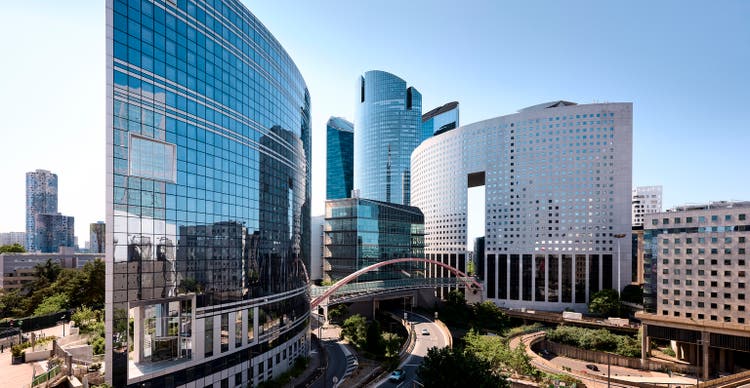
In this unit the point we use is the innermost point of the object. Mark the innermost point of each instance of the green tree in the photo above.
(487, 315)
(12, 248)
(85, 318)
(52, 304)
(449, 368)
(355, 330)
(392, 344)
(373, 341)
(12, 304)
(337, 312)
(455, 311)
(605, 302)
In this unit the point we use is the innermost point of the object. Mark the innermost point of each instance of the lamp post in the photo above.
(618, 236)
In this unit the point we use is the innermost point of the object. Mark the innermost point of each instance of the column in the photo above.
(706, 337)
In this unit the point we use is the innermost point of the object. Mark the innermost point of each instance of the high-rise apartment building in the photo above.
(11, 238)
(41, 198)
(696, 284)
(208, 197)
(557, 181)
(646, 200)
(439, 120)
(388, 126)
(339, 158)
(53, 231)
(97, 233)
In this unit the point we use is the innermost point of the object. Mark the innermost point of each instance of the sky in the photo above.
(683, 65)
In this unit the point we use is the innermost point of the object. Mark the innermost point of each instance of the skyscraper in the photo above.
(556, 179)
(53, 231)
(388, 128)
(339, 159)
(41, 198)
(439, 120)
(208, 197)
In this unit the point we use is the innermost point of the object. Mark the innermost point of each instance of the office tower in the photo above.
(316, 248)
(53, 231)
(41, 198)
(646, 200)
(339, 158)
(208, 197)
(556, 179)
(97, 233)
(696, 282)
(388, 126)
(360, 232)
(439, 120)
(11, 238)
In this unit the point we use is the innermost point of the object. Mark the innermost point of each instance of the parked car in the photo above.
(592, 367)
(425, 332)
(397, 375)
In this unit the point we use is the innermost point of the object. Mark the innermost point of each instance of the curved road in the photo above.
(336, 357)
(436, 338)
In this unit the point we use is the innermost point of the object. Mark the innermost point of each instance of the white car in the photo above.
(425, 332)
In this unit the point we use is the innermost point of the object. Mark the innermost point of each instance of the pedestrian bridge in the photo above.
(346, 290)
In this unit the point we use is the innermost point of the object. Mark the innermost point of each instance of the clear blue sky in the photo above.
(684, 65)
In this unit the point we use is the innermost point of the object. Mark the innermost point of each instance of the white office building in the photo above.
(556, 181)
(646, 200)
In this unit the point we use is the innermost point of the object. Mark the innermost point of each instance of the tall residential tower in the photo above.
(208, 197)
(41, 198)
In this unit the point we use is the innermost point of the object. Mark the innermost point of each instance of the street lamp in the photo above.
(618, 237)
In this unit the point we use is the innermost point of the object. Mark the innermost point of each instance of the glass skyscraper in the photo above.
(439, 120)
(53, 231)
(41, 198)
(208, 197)
(388, 128)
(339, 159)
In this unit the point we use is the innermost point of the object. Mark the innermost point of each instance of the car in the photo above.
(546, 354)
(592, 367)
(425, 332)
(397, 375)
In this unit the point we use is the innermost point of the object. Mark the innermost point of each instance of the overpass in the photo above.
(345, 290)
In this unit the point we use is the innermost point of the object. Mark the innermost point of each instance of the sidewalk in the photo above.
(21, 374)
(313, 367)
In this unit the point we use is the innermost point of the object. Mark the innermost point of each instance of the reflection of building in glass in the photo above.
(41, 198)
(339, 158)
(361, 232)
(53, 231)
(557, 181)
(695, 289)
(439, 120)
(97, 232)
(208, 162)
(388, 128)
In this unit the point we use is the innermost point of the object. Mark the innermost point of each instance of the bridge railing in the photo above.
(393, 284)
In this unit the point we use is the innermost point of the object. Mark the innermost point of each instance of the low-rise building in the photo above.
(18, 268)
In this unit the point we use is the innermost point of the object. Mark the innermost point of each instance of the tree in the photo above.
(488, 316)
(373, 341)
(449, 368)
(52, 304)
(605, 302)
(12, 248)
(355, 330)
(392, 344)
(455, 311)
(335, 313)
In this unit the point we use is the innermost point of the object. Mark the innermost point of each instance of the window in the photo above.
(701, 283)
(152, 159)
(741, 217)
(701, 219)
(727, 240)
(728, 217)
(701, 316)
(727, 319)
(688, 282)
(688, 240)
(714, 284)
(689, 220)
(677, 220)
(714, 306)
(654, 222)
(665, 241)
(701, 304)
(741, 308)
(741, 240)
(665, 221)
(714, 218)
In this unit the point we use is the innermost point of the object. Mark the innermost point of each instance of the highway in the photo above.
(436, 338)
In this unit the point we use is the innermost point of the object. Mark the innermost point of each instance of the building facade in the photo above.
(388, 126)
(18, 269)
(557, 184)
(208, 197)
(10, 238)
(53, 231)
(41, 198)
(360, 232)
(439, 120)
(646, 200)
(316, 248)
(97, 239)
(696, 282)
(339, 158)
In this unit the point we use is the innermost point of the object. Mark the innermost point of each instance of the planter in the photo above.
(15, 360)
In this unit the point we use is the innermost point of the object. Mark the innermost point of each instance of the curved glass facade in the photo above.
(388, 128)
(339, 159)
(208, 197)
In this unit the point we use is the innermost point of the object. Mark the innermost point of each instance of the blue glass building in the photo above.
(389, 127)
(440, 120)
(339, 159)
(41, 198)
(208, 197)
(53, 231)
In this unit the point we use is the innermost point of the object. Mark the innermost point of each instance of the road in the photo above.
(436, 338)
(336, 357)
